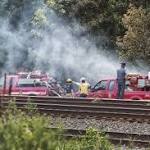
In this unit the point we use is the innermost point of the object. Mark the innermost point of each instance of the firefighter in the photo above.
(121, 76)
(69, 88)
(84, 87)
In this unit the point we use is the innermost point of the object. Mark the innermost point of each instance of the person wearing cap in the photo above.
(69, 88)
(121, 76)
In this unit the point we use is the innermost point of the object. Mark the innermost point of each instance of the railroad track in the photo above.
(115, 137)
(96, 108)
(90, 108)
(102, 102)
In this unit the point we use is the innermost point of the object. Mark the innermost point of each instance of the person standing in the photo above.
(69, 88)
(121, 76)
(84, 87)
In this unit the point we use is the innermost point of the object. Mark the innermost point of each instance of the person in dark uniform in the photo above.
(121, 75)
(69, 88)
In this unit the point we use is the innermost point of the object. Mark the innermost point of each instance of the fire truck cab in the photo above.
(137, 87)
(15, 85)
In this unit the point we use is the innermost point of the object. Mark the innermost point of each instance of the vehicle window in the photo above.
(111, 85)
(141, 83)
(29, 83)
(26, 83)
(101, 85)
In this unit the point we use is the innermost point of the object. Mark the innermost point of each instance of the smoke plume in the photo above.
(50, 44)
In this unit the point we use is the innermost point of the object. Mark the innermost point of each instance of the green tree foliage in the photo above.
(39, 18)
(100, 18)
(96, 15)
(135, 44)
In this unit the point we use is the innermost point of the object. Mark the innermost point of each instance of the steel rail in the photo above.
(78, 99)
(115, 137)
(127, 103)
(89, 103)
(89, 114)
(82, 107)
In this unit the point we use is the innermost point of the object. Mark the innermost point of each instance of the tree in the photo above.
(135, 44)
(39, 18)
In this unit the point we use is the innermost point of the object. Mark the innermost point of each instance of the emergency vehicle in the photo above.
(16, 85)
(137, 87)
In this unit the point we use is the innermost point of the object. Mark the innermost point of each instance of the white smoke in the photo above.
(78, 55)
(60, 50)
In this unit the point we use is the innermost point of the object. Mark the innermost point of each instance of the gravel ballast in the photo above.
(103, 125)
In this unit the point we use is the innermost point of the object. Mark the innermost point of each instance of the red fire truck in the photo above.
(137, 88)
(16, 85)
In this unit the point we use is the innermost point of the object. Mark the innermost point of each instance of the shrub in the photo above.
(21, 131)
